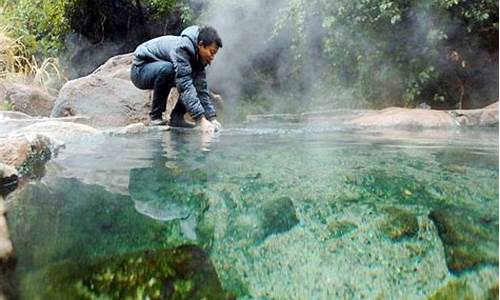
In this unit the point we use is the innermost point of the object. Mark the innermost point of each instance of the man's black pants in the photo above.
(160, 77)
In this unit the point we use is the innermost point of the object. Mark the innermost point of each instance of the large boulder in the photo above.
(107, 96)
(29, 99)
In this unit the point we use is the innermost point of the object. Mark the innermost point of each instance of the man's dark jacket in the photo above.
(190, 76)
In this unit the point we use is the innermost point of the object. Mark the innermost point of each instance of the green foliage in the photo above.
(41, 24)
(161, 9)
(393, 52)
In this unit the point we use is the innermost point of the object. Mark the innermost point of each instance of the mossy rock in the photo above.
(339, 229)
(460, 290)
(400, 224)
(277, 216)
(177, 273)
(469, 240)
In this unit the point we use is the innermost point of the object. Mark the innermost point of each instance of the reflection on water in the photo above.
(299, 211)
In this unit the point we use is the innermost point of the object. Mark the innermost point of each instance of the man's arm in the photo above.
(184, 83)
(200, 83)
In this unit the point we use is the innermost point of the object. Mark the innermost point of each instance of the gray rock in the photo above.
(135, 128)
(485, 117)
(28, 99)
(8, 125)
(23, 153)
(13, 115)
(406, 118)
(116, 67)
(59, 131)
(107, 101)
(395, 117)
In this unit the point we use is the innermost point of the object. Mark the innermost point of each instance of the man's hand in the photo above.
(206, 126)
(216, 124)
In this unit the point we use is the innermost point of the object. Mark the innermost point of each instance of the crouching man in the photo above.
(179, 61)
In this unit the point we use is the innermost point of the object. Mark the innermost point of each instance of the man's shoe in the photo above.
(179, 121)
(157, 122)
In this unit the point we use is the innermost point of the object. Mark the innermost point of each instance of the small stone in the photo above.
(338, 229)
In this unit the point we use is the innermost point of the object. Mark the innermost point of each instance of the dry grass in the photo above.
(15, 62)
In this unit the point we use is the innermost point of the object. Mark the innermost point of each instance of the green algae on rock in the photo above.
(177, 273)
(469, 240)
(278, 216)
(400, 224)
(338, 229)
(460, 289)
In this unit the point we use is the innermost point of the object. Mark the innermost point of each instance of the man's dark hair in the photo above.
(209, 35)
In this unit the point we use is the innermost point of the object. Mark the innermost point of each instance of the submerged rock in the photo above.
(176, 273)
(277, 216)
(469, 241)
(168, 194)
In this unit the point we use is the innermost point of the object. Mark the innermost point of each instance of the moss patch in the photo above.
(400, 224)
(338, 229)
(178, 273)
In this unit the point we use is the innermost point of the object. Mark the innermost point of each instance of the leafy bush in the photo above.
(41, 24)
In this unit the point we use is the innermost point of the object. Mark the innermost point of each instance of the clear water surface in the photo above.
(283, 210)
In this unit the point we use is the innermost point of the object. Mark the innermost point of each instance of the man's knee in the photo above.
(166, 73)
(135, 77)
